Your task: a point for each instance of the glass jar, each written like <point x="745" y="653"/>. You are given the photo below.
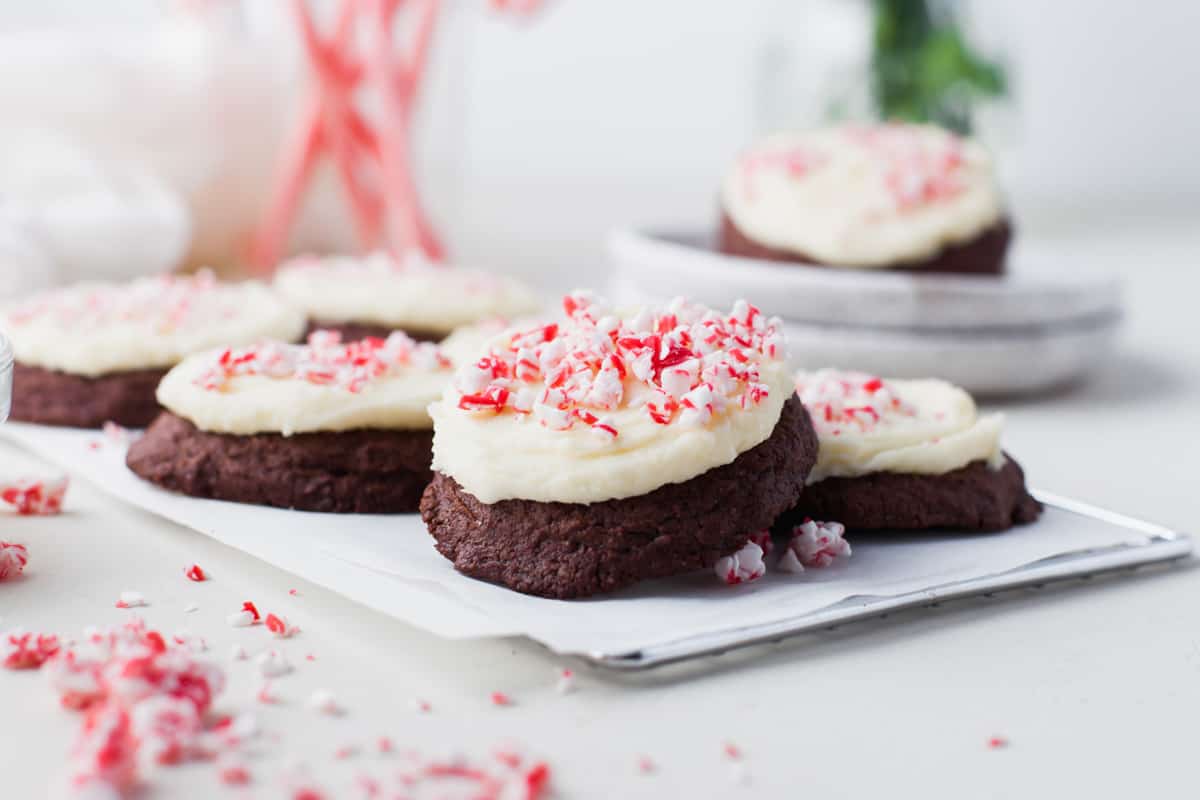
<point x="6" y="368"/>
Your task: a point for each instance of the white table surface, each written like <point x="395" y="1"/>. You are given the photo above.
<point x="1094" y="686"/>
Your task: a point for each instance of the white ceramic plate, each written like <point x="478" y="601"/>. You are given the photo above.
<point x="1031" y="330"/>
<point x="663" y="265"/>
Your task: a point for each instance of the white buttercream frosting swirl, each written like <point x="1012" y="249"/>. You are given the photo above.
<point x="863" y="196"/>
<point x="412" y="294"/>
<point x="867" y="424"/>
<point x="323" y="385"/>
<point x="99" y="328"/>
<point x="603" y="405"/>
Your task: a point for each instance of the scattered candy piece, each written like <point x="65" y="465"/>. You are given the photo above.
<point x="191" y="608"/>
<point x="240" y="619"/>
<point x="35" y="497"/>
<point x="252" y="610"/>
<point x="501" y="699"/>
<point x="130" y="599"/>
<point x="814" y="544"/>
<point x="21" y="650"/>
<point x="732" y="751"/>
<point x="646" y="765"/>
<point x="279" y="626"/>
<point x="763" y="540"/>
<point x="345" y="751"/>
<point x="322" y="700"/>
<point x="13" y="558"/>
<point x="272" y="664"/>
<point x="997" y="743"/>
<point x="743" y="566"/>
<point x="234" y="775"/>
<point x="384" y="745"/>
<point x="195" y="573"/>
<point x="422" y="706"/>
<point x="566" y="682"/>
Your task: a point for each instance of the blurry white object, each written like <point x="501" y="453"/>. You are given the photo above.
<point x="77" y="217"/>
<point x="25" y="266"/>
<point x="1033" y="329"/>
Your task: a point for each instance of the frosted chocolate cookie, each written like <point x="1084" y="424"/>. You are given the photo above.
<point x="376" y="295"/>
<point x="94" y="352"/>
<point x="324" y="426"/>
<point x="907" y="455"/>
<point x="603" y="449"/>
<point x="891" y="196"/>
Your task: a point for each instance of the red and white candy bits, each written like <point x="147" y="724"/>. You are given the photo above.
<point x="814" y="544"/>
<point x="684" y="365"/>
<point x="13" y="558"/>
<point x="838" y="401"/>
<point x="22" y="650"/>
<point x="743" y="566"/>
<point x="324" y="361"/>
<point x="35" y="496"/>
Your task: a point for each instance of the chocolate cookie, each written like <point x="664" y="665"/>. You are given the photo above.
<point x="49" y="397"/>
<point x="972" y="498"/>
<point x="355" y="331"/>
<point x="571" y="550"/>
<point x="983" y="255"/>
<point x="361" y="471"/>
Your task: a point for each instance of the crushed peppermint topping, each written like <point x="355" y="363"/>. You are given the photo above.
<point x="684" y="365"/>
<point x="195" y="573"/>
<point x="914" y="168"/>
<point x="35" y="496"/>
<point x="165" y="303"/>
<point x="13" y="558"/>
<point x="814" y="544"/>
<point x="837" y="400"/>
<point x="324" y="361"/>
<point x="744" y="566"/>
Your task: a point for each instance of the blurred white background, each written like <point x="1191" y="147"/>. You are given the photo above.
<point x="538" y="136"/>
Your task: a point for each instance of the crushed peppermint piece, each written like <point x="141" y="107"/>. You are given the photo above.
<point x="384" y="745"/>
<point x="195" y="573"/>
<point x="234" y="775"/>
<point x="322" y="700"/>
<point x="130" y="600"/>
<point x="763" y="540"/>
<point x="22" y="650"/>
<point x="814" y="544"/>
<point x="272" y="664"/>
<point x="566" y="681"/>
<point x="13" y="558"/>
<point x="34" y="496"/>
<point x="422" y="706"/>
<point x="250" y="607"/>
<point x="997" y="743"/>
<point x="646" y="765"/>
<point x="324" y="361"/>
<point x="279" y="627"/>
<point x="744" y="566"/>
<point x="240" y="619"/>
<point x="731" y="751"/>
<point x="501" y="699"/>
<point x="684" y="364"/>
<point x="191" y="608"/>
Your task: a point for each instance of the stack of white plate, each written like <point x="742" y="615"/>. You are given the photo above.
<point x="1035" y="328"/>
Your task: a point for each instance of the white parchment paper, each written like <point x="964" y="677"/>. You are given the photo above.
<point x="389" y="564"/>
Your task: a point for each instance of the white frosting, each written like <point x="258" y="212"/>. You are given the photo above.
<point x="98" y="328"/>
<point x="523" y="451"/>
<point x="414" y="295"/>
<point x="867" y="424"/>
<point x="393" y="392"/>
<point x="859" y="196"/>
